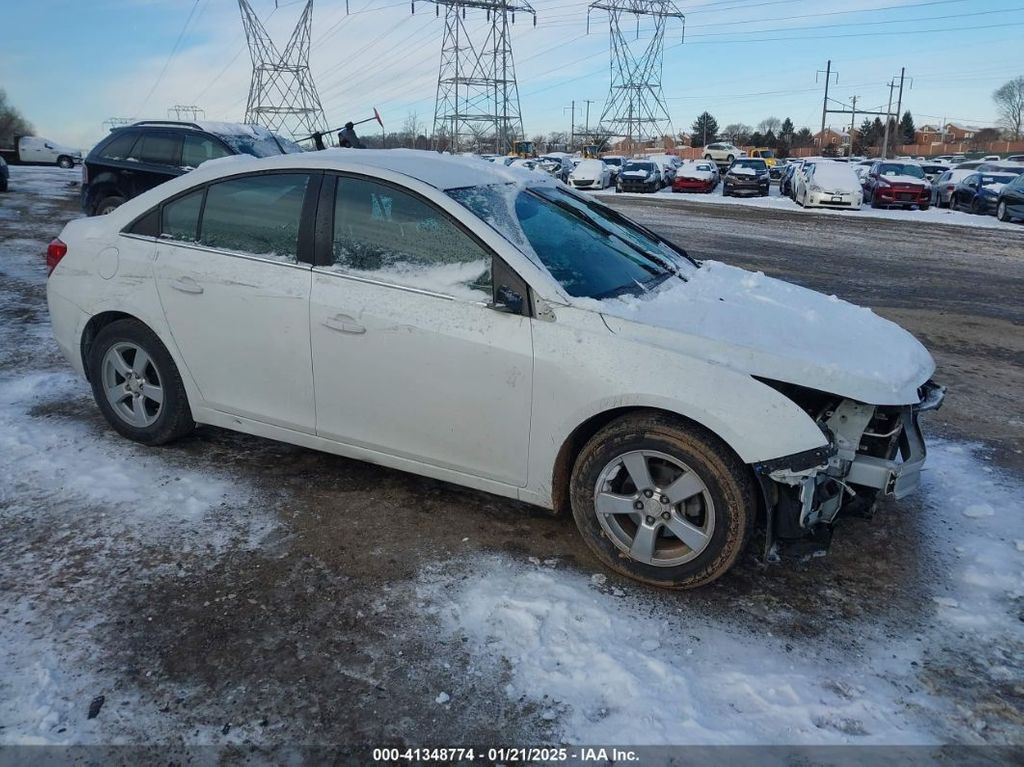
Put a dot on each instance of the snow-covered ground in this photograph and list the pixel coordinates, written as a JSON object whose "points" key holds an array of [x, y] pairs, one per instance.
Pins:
{"points": [[582, 656], [618, 665], [776, 201]]}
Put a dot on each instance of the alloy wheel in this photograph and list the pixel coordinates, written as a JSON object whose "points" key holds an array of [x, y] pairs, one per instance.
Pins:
{"points": [[132, 384], [654, 508]]}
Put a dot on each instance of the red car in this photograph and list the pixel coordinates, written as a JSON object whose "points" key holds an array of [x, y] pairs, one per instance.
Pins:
{"points": [[897, 183], [700, 176]]}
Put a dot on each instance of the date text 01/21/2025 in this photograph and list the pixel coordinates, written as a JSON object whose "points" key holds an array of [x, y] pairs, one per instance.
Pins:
{"points": [[503, 754]]}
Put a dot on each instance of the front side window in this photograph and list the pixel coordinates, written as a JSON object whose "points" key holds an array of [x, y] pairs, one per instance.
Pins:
{"points": [[256, 215], [199, 149], [158, 149], [383, 233]]}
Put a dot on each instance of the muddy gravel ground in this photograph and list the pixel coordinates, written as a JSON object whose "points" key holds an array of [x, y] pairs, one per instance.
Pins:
{"points": [[231, 590]]}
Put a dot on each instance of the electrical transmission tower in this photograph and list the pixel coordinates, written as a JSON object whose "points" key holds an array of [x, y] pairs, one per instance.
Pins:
{"points": [[186, 112], [635, 107], [477, 105], [282, 96]]}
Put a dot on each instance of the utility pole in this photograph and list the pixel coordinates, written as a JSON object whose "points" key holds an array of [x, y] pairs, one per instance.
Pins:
{"points": [[853, 121], [899, 102], [888, 118], [586, 128], [824, 105], [572, 124]]}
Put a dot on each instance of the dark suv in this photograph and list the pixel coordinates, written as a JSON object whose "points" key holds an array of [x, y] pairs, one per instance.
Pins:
{"points": [[138, 157]]}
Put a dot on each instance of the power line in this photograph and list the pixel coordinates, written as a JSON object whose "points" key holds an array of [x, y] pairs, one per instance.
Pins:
{"points": [[167, 63]]}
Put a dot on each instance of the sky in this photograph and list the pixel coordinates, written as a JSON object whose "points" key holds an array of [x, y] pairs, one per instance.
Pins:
{"points": [[68, 65]]}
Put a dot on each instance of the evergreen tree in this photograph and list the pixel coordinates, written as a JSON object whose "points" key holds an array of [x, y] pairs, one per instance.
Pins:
{"points": [[907, 129], [786, 131], [704, 130]]}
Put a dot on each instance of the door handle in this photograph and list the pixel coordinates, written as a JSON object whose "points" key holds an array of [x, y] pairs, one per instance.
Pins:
{"points": [[344, 324], [187, 285]]}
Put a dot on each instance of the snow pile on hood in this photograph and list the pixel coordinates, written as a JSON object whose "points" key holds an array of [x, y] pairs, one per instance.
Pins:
{"points": [[636, 173], [897, 178], [742, 170], [835, 176], [778, 330], [995, 187]]}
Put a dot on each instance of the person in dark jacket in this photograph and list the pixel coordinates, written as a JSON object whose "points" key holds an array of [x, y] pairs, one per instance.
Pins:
{"points": [[347, 137]]}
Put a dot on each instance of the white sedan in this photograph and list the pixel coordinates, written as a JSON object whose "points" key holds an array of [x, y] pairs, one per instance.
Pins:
{"points": [[590, 174], [491, 327], [825, 184]]}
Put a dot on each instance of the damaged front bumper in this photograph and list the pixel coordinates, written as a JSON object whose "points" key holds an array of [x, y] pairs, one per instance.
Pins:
{"points": [[872, 451]]}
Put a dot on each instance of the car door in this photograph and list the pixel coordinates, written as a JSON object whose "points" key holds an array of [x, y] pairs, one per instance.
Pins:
{"points": [[235, 293], [409, 358]]}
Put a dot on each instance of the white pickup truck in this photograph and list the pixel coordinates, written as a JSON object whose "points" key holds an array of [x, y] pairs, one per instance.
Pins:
{"points": [[33, 150]]}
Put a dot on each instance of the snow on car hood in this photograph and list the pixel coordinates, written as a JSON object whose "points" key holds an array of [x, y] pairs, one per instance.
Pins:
{"points": [[636, 173], [777, 330], [905, 180], [742, 170], [701, 175]]}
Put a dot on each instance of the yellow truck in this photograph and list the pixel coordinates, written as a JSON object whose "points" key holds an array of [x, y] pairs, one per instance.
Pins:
{"points": [[766, 154]]}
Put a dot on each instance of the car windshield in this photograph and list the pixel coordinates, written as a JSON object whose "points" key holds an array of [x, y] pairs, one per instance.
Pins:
{"points": [[612, 160], [900, 169], [259, 142], [645, 167], [765, 153], [588, 248], [750, 163]]}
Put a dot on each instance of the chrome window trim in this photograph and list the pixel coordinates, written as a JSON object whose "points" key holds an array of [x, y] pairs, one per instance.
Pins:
{"points": [[218, 251]]}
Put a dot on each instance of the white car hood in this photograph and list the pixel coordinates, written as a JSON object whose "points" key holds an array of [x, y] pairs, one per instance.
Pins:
{"points": [[773, 329]]}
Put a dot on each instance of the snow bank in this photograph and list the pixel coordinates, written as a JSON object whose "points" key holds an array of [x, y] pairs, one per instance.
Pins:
{"points": [[61, 462], [625, 666]]}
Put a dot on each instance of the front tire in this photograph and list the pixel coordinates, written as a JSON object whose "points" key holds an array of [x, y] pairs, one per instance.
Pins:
{"points": [[65, 162], [662, 502], [1001, 212], [137, 385]]}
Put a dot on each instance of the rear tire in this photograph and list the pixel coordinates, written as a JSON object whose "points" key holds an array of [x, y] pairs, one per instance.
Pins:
{"points": [[1001, 212], [137, 385], [109, 204], [678, 461]]}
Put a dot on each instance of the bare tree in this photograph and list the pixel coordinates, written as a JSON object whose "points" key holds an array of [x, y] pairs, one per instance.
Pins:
{"points": [[411, 129], [737, 133], [769, 124], [1010, 104], [12, 124]]}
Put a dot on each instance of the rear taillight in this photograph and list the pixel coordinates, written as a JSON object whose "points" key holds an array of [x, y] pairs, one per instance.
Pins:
{"points": [[85, 175], [54, 253]]}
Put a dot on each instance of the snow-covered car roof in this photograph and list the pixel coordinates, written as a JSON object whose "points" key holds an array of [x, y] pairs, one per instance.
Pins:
{"points": [[438, 170]]}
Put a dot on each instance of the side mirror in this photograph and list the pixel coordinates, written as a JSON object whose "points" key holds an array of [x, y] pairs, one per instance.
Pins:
{"points": [[508, 301]]}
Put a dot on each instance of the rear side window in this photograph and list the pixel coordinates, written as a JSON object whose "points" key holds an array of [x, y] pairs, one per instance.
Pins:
{"points": [[258, 215], [158, 149], [119, 148], [199, 149], [180, 219]]}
